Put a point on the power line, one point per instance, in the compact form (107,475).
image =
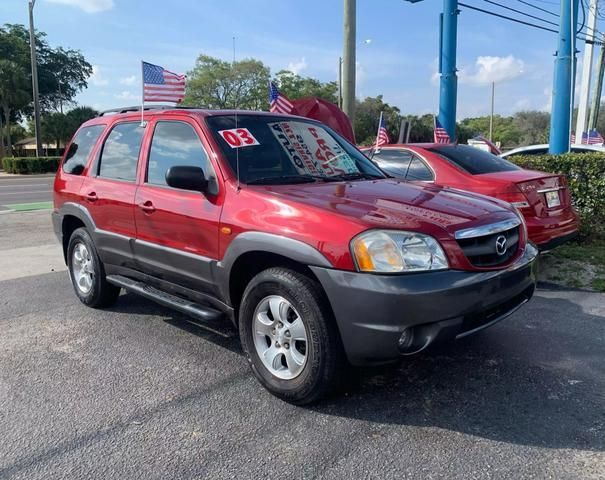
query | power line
(521,12)
(538,8)
(488,12)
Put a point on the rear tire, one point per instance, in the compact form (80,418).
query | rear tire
(289,336)
(87,272)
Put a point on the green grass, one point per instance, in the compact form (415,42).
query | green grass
(593,252)
(599,284)
(26,207)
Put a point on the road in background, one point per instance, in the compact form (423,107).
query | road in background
(137,391)
(25,189)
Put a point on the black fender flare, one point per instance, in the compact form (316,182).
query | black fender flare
(264,242)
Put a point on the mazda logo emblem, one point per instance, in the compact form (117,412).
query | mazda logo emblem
(501,245)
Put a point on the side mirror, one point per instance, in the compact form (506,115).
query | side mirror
(187,178)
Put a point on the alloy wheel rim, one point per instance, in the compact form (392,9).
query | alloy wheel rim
(82,268)
(280,337)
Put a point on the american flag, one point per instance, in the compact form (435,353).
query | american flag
(592,138)
(382,138)
(573,137)
(278,102)
(161,85)
(440,133)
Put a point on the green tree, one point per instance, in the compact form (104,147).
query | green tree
(294,87)
(367,115)
(533,126)
(59,127)
(504,129)
(61,75)
(214,83)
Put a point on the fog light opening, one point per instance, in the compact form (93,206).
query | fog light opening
(406,339)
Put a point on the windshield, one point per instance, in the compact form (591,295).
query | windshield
(287,150)
(473,160)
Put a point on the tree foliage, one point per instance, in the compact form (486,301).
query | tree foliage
(60,127)
(214,83)
(294,87)
(62,73)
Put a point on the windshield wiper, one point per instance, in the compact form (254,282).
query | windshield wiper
(283,179)
(356,176)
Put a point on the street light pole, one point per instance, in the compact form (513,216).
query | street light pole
(491,117)
(32,44)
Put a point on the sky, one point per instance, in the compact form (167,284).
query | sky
(396,54)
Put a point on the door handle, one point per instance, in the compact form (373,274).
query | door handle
(92,197)
(147,206)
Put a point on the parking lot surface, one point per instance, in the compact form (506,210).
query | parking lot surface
(137,391)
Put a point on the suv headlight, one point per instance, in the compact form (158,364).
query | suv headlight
(391,251)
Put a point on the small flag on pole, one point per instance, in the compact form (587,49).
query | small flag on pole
(440,133)
(161,85)
(573,137)
(382,137)
(278,102)
(592,138)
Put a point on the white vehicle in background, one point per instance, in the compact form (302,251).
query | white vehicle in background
(543,150)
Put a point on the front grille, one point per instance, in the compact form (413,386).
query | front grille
(482,251)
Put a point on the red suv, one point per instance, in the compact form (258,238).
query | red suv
(280,226)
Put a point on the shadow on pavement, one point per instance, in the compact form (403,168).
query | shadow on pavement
(537,379)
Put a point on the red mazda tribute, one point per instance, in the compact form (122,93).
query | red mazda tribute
(277,224)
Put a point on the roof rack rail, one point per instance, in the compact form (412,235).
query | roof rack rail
(137,108)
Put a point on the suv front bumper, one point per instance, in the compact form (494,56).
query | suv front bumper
(381,317)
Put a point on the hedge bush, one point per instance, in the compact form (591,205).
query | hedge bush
(30,164)
(585,174)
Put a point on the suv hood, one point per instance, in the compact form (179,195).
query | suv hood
(398,205)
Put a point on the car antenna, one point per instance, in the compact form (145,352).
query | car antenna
(238,187)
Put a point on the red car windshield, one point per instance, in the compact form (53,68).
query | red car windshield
(287,150)
(473,160)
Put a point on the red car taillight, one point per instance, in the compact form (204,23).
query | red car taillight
(516,198)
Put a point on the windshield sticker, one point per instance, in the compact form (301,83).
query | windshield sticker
(238,137)
(312,149)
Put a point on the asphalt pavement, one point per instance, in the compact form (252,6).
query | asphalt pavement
(24,189)
(137,391)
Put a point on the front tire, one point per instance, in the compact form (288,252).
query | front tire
(289,336)
(87,273)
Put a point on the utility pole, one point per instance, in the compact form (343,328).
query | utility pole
(348,70)
(340,82)
(491,117)
(447,67)
(591,25)
(32,45)
(562,94)
(598,88)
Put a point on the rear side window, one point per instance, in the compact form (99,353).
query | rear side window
(121,152)
(395,162)
(419,171)
(80,149)
(175,143)
(473,160)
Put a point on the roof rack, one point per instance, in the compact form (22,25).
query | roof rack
(137,108)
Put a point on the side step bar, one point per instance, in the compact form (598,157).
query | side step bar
(210,318)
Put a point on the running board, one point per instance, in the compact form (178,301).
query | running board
(210,318)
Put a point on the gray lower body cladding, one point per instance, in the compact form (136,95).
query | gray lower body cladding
(373,311)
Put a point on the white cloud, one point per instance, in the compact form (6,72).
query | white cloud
(89,6)
(492,69)
(129,80)
(298,67)
(97,77)
(127,95)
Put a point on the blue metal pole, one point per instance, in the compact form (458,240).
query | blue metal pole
(447,63)
(564,79)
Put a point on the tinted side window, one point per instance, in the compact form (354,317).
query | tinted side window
(175,143)
(80,149)
(394,162)
(419,171)
(121,152)
(473,160)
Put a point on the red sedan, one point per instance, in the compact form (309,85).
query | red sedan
(543,198)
